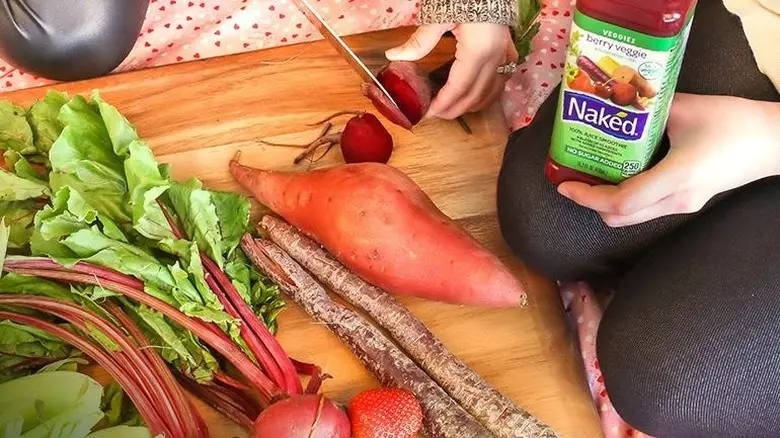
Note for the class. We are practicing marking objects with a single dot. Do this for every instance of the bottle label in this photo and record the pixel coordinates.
(615, 98)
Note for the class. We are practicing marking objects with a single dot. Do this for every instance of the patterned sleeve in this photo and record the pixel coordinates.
(469, 11)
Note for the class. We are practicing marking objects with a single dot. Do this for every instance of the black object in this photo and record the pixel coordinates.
(69, 39)
(690, 345)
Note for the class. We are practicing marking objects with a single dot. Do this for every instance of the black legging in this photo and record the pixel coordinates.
(690, 345)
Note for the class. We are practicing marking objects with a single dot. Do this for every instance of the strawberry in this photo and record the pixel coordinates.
(385, 413)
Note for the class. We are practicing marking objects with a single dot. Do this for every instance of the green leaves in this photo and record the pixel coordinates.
(146, 185)
(83, 159)
(527, 26)
(43, 118)
(66, 404)
(15, 188)
(39, 405)
(119, 411)
(18, 217)
(15, 132)
(233, 213)
(105, 189)
(198, 214)
(29, 342)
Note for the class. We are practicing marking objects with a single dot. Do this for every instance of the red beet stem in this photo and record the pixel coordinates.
(123, 375)
(147, 376)
(257, 348)
(209, 333)
(226, 380)
(189, 416)
(232, 408)
(280, 359)
(265, 347)
(317, 376)
(81, 267)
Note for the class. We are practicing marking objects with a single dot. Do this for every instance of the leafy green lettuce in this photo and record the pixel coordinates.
(15, 132)
(108, 202)
(18, 217)
(44, 121)
(59, 404)
(41, 403)
(16, 188)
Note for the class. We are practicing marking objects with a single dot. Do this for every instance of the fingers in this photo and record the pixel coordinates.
(677, 203)
(475, 86)
(500, 84)
(463, 77)
(422, 41)
(633, 195)
(492, 97)
(484, 86)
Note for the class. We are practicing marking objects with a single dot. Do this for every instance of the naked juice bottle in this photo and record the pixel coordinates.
(622, 65)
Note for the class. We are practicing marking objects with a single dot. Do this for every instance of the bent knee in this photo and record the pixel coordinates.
(546, 231)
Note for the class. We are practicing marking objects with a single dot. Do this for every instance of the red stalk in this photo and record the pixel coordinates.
(81, 267)
(317, 376)
(121, 374)
(280, 359)
(254, 343)
(230, 408)
(226, 380)
(209, 333)
(189, 416)
(131, 358)
(278, 365)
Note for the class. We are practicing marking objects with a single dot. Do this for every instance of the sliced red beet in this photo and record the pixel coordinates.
(365, 140)
(409, 87)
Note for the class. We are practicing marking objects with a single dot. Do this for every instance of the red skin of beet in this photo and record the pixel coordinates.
(295, 416)
(410, 88)
(365, 140)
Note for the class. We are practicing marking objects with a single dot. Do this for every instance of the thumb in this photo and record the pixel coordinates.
(422, 41)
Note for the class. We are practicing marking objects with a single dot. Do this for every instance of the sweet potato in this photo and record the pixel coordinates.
(379, 223)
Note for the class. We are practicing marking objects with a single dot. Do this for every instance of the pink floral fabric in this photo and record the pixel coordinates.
(188, 30)
(585, 311)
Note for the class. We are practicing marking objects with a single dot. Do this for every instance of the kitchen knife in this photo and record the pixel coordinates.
(341, 47)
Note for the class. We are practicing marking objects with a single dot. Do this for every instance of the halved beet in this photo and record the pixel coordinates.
(409, 87)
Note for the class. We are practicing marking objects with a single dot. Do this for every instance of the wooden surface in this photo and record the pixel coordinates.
(197, 115)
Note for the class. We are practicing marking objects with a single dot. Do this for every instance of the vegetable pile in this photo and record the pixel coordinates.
(111, 257)
(163, 283)
(361, 214)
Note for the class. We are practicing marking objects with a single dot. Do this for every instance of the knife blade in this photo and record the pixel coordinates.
(341, 47)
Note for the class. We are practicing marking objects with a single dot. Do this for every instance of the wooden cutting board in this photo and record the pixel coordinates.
(197, 115)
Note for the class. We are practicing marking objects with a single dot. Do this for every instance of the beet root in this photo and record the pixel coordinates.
(304, 416)
(409, 87)
(365, 140)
